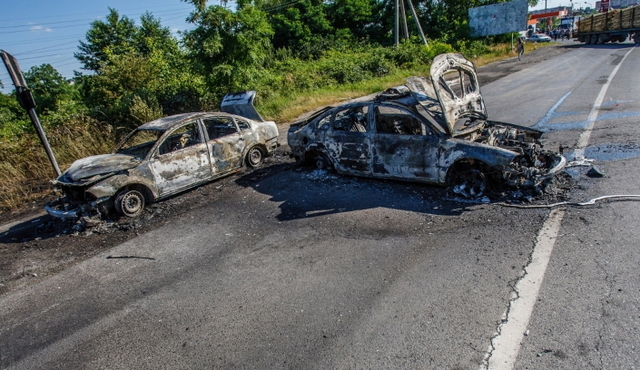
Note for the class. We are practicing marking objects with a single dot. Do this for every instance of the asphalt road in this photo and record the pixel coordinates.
(303, 270)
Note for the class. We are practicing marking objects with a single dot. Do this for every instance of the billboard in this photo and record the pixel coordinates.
(497, 19)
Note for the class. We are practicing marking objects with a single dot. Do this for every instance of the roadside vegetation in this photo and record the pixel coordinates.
(298, 56)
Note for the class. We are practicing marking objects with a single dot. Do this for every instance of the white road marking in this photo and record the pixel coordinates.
(505, 346)
(583, 140)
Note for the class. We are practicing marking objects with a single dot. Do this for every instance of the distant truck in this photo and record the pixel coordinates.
(613, 26)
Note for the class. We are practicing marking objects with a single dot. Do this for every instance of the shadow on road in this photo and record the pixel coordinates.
(305, 192)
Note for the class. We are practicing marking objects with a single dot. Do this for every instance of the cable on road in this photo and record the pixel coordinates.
(587, 203)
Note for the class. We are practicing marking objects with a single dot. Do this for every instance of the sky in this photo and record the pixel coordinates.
(567, 3)
(48, 31)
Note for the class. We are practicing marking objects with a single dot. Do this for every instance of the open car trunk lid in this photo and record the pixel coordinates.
(241, 104)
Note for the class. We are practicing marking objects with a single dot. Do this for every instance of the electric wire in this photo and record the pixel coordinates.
(579, 204)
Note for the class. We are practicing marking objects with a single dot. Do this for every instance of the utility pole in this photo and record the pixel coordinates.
(397, 30)
(401, 9)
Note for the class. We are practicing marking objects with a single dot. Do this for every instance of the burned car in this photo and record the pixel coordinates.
(165, 157)
(430, 130)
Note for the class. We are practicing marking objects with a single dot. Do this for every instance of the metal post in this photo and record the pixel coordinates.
(43, 139)
(415, 17)
(397, 22)
(25, 98)
(405, 26)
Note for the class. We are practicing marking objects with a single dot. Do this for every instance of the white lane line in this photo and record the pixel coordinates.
(505, 346)
(545, 120)
(583, 140)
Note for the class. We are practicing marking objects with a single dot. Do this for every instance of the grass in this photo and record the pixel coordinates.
(283, 109)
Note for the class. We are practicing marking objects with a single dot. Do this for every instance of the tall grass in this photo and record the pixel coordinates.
(25, 170)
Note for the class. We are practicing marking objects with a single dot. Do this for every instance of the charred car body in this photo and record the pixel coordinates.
(165, 157)
(430, 130)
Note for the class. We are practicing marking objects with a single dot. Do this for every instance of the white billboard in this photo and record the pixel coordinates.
(497, 19)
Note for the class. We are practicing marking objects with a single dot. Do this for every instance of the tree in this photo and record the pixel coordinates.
(299, 24)
(229, 48)
(49, 88)
(353, 15)
(143, 69)
(115, 36)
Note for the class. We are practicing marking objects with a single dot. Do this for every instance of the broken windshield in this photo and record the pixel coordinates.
(139, 143)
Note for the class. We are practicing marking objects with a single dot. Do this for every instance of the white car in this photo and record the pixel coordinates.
(165, 157)
(538, 37)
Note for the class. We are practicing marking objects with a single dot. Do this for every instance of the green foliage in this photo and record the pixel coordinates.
(147, 67)
(13, 119)
(230, 49)
(113, 37)
(299, 25)
(50, 89)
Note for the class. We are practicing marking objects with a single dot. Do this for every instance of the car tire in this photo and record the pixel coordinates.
(470, 184)
(255, 157)
(322, 162)
(129, 203)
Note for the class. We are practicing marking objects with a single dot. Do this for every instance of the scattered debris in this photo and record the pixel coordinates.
(596, 172)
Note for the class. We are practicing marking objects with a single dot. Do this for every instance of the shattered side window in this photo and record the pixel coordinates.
(243, 125)
(183, 137)
(140, 143)
(392, 120)
(352, 119)
(324, 122)
(218, 127)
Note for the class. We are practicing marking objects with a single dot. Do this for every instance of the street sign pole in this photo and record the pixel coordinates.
(25, 98)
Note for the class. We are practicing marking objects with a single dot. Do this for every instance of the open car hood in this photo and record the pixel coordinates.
(453, 92)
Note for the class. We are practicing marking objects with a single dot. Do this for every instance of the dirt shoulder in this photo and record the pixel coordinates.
(34, 246)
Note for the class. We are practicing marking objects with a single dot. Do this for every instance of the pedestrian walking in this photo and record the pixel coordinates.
(520, 47)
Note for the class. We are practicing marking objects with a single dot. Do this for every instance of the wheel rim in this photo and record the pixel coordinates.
(470, 184)
(322, 163)
(255, 157)
(130, 203)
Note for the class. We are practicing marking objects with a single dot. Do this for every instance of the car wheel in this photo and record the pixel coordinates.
(255, 156)
(130, 203)
(322, 162)
(469, 184)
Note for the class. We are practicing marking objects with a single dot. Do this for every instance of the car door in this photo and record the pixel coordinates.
(226, 144)
(181, 160)
(348, 140)
(403, 147)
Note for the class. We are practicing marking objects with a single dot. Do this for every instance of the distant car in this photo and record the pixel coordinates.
(538, 37)
(165, 157)
(433, 131)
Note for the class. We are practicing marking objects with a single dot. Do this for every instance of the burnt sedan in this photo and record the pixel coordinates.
(430, 130)
(165, 157)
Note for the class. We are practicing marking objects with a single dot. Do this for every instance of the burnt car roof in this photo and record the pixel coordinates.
(166, 123)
